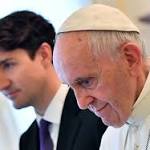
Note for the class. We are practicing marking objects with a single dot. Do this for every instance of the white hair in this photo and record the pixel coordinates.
(110, 41)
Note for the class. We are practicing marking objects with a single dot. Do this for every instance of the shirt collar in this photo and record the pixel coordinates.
(54, 109)
(141, 107)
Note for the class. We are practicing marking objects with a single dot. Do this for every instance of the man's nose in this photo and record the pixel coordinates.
(83, 99)
(4, 82)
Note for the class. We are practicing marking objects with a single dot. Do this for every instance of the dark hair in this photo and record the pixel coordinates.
(26, 30)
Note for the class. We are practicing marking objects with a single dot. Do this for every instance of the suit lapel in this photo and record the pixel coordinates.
(35, 132)
(70, 123)
(30, 139)
(36, 142)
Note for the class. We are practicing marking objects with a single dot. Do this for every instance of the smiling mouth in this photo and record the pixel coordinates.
(101, 109)
(97, 110)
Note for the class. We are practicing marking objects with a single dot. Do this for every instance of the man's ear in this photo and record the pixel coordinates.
(132, 54)
(45, 53)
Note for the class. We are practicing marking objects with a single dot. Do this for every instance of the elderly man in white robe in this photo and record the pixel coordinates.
(100, 54)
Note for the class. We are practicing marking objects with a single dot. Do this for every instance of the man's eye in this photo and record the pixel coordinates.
(7, 65)
(88, 83)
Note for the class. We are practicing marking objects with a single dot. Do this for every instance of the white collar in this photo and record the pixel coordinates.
(141, 107)
(54, 109)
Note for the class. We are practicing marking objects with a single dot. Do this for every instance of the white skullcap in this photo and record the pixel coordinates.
(98, 17)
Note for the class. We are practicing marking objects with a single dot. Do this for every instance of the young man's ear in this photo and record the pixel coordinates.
(45, 53)
(132, 54)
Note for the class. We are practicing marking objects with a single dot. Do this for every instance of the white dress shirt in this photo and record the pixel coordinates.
(54, 112)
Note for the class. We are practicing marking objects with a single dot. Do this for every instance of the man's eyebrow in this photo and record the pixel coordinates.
(79, 79)
(4, 61)
(74, 82)
(84, 78)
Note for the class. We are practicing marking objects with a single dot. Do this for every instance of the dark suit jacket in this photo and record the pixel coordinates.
(79, 129)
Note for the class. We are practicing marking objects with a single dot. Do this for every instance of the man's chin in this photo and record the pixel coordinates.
(112, 123)
(18, 106)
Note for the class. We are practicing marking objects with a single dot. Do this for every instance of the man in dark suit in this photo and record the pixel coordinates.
(28, 78)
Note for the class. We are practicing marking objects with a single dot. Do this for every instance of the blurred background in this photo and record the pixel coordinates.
(14, 122)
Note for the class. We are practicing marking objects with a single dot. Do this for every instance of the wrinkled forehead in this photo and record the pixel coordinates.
(67, 41)
(71, 52)
(70, 46)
